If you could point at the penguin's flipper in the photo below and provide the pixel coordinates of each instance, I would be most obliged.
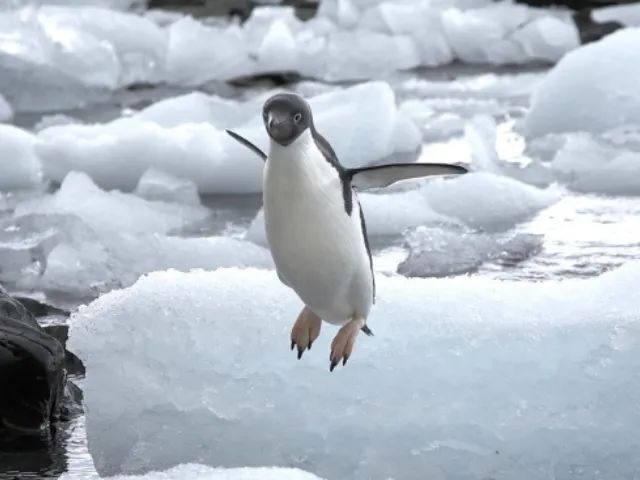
(384, 175)
(248, 144)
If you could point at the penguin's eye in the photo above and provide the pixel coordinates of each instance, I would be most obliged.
(297, 117)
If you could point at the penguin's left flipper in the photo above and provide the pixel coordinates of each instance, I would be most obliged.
(380, 176)
(247, 144)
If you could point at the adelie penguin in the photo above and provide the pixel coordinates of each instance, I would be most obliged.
(315, 226)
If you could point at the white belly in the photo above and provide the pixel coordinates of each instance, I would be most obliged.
(317, 247)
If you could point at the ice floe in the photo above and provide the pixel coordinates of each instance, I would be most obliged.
(592, 89)
(465, 377)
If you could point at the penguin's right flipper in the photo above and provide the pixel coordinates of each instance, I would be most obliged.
(248, 144)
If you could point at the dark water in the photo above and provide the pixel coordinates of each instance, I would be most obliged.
(58, 449)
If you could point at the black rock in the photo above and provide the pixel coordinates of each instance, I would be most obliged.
(32, 373)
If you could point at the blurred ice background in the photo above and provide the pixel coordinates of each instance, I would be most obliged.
(521, 363)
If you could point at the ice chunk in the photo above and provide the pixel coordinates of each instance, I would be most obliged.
(438, 252)
(113, 211)
(362, 123)
(363, 54)
(199, 53)
(96, 47)
(19, 166)
(419, 20)
(89, 58)
(277, 51)
(26, 241)
(117, 154)
(504, 33)
(628, 15)
(263, 19)
(140, 45)
(6, 112)
(458, 370)
(547, 38)
(591, 89)
(487, 201)
(197, 107)
(87, 268)
(479, 36)
(43, 88)
(160, 186)
(593, 165)
(202, 472)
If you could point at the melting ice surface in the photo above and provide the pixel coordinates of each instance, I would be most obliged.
(465, 378)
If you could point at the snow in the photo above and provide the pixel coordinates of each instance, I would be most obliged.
(591, 89)
(157, 185)
(19, 164)
(513, 379)
(202, 472)
(185, 137)
(112, 211)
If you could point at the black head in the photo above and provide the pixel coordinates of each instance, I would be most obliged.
(286, 116)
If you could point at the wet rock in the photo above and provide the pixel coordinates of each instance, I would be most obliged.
(32, 374)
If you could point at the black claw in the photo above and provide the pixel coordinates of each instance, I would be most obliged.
(310, 343)
(367, 330)
(344, 361)
(300, 352)
(333, 365)
(293, 344)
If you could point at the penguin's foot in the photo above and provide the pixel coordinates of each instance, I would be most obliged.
(305, 330)
(343, 343)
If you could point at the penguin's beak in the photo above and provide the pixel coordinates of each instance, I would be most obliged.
(279, 127)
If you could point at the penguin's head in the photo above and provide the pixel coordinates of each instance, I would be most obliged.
(286, 116)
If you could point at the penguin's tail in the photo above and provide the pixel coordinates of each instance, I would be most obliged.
(366, 330)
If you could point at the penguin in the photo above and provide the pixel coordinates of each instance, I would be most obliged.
(315, 226)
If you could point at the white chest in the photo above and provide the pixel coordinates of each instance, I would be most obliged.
(318, 247)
